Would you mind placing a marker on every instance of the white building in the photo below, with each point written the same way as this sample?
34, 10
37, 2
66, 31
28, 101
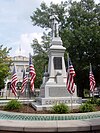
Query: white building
21, 63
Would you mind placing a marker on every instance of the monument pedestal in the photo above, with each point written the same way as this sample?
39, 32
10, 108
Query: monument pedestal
51, 94
53, 89
48, 103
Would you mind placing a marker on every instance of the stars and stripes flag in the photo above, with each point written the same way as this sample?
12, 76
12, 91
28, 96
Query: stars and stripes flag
24, 82
92, 80
70, 77
32, 73
14, 82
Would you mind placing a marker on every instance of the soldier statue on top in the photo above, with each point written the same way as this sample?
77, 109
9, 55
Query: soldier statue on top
54, 26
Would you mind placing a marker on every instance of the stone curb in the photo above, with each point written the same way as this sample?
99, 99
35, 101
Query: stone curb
32, 126
50, 126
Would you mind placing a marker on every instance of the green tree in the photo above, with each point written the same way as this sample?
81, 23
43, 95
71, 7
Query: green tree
41, 17
40, 57
5, 63
80, 33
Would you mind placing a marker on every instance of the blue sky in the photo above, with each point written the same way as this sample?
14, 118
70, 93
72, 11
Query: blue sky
16, 29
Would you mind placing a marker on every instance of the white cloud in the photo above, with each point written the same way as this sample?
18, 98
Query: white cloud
16, 28
24, 44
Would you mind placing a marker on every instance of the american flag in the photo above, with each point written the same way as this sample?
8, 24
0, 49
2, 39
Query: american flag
32, 73
25, 80
92, 79
14, 82
70, 77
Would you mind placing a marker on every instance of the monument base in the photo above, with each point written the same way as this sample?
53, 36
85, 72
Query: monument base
48, 103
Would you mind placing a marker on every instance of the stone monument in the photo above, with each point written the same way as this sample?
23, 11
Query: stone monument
53, 89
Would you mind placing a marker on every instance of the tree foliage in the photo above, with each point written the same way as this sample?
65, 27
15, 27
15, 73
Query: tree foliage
4, 65
41, 16
80, 33
40, 57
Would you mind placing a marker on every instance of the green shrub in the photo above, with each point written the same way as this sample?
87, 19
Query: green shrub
86, 93
92, 100
60, 108
86, 107
98, 102
13, 104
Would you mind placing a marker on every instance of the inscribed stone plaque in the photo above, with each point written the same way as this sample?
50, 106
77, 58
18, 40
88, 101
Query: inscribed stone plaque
58, 92
57, 62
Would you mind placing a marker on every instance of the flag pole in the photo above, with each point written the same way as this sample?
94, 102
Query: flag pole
28, 85
91, 71
29, 76
68, 72
14, 81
